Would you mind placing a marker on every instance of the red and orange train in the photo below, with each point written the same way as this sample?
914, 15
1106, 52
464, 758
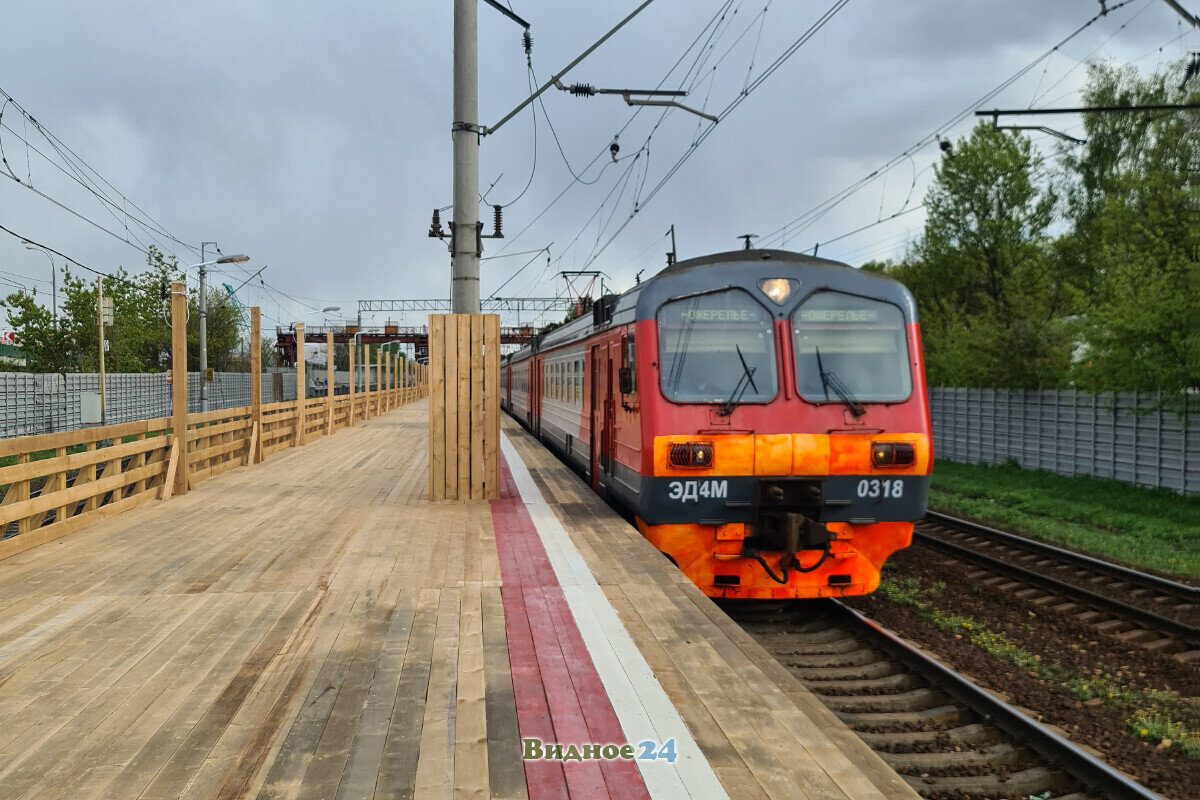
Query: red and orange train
761, 414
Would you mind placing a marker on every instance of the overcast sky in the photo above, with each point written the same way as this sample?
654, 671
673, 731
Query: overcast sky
315, 136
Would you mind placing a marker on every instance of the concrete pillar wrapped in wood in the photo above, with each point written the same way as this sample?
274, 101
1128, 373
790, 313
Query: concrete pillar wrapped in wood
464, 406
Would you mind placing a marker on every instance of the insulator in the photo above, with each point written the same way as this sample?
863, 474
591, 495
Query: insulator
528, 40
582, 89
498, 220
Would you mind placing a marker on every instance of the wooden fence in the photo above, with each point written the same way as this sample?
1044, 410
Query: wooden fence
464, 406
58, 483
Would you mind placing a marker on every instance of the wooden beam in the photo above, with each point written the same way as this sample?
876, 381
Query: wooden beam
353, 380
379, 354
491, 411
172, 469
301, 384
464, 406
329, 387
179, 384
254, 454
253, 446
477, 430
437, 407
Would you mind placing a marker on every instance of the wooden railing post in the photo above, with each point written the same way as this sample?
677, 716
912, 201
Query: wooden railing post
254, 455
353, 380
379, 381
366, 392
179, 377
301, 385
390, 369
329, 387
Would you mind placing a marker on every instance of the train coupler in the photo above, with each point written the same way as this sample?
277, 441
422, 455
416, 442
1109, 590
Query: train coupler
799, 534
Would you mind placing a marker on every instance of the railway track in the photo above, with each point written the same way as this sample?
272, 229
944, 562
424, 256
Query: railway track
1139, 609
944, 735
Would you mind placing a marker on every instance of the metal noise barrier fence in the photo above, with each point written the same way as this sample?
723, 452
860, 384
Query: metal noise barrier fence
33, 404
1145, 439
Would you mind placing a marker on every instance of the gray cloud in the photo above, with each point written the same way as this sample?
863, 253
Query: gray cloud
315, 136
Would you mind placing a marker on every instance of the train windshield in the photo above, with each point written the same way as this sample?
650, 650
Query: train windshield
851, 347
715, 346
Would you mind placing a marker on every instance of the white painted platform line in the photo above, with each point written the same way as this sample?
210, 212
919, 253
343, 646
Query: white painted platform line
641, 704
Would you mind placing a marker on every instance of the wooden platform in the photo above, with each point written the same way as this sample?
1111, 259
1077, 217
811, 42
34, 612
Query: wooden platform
313, 628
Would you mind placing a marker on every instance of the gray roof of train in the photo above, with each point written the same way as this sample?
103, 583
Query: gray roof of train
736, 268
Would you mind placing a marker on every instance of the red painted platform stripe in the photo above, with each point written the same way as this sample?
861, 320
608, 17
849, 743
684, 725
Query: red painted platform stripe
559, 695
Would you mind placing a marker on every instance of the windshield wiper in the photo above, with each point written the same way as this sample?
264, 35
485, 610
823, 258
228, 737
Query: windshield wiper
747, 379
828, 379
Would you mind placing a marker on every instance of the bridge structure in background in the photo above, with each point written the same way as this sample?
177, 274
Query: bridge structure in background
491, 305
416, 335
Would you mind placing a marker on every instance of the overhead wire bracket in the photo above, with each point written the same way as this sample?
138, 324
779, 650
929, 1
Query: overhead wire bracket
587, 90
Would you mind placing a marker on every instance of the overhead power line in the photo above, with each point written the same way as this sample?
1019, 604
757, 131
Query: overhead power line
115, 203
810, 216
740, 98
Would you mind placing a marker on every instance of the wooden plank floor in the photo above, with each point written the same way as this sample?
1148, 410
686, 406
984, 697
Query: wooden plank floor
313, 628
304, 628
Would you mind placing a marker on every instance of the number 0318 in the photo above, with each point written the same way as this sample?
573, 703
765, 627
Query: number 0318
875, 488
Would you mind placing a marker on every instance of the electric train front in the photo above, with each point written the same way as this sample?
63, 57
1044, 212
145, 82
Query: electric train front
790, 426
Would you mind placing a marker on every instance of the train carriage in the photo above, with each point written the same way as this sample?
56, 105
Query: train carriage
762, 415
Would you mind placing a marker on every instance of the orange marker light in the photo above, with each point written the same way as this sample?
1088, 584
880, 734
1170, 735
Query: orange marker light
886, 454
692, 454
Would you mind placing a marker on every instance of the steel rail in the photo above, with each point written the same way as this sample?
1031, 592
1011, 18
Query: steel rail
1133, 613
1092, 772
1145, 579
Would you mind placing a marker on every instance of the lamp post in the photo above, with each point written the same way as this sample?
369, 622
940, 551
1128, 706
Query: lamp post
53, 279
204, 314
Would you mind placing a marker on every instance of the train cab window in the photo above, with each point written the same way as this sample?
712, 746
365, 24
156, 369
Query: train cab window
715, 348
850, 345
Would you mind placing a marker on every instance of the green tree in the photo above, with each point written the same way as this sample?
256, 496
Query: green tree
45, 344
1132, 195
140, 336
992, 305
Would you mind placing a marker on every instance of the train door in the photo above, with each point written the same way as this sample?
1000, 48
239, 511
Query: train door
602, 417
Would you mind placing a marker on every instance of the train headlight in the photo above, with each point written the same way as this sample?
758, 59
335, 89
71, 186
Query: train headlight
698, 455
889, 454
778, 289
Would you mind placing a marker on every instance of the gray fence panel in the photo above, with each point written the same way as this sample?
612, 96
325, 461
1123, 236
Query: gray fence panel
1138, 438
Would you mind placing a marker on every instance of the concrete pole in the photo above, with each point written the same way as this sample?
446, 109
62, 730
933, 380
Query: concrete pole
464, 288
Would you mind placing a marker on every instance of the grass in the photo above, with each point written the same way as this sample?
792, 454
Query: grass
1155, 716
1152, 529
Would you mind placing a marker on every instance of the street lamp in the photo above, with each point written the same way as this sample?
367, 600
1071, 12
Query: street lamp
53, 278
238, 259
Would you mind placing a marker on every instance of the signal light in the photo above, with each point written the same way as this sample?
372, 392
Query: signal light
778, 289
888, 454
695, 455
